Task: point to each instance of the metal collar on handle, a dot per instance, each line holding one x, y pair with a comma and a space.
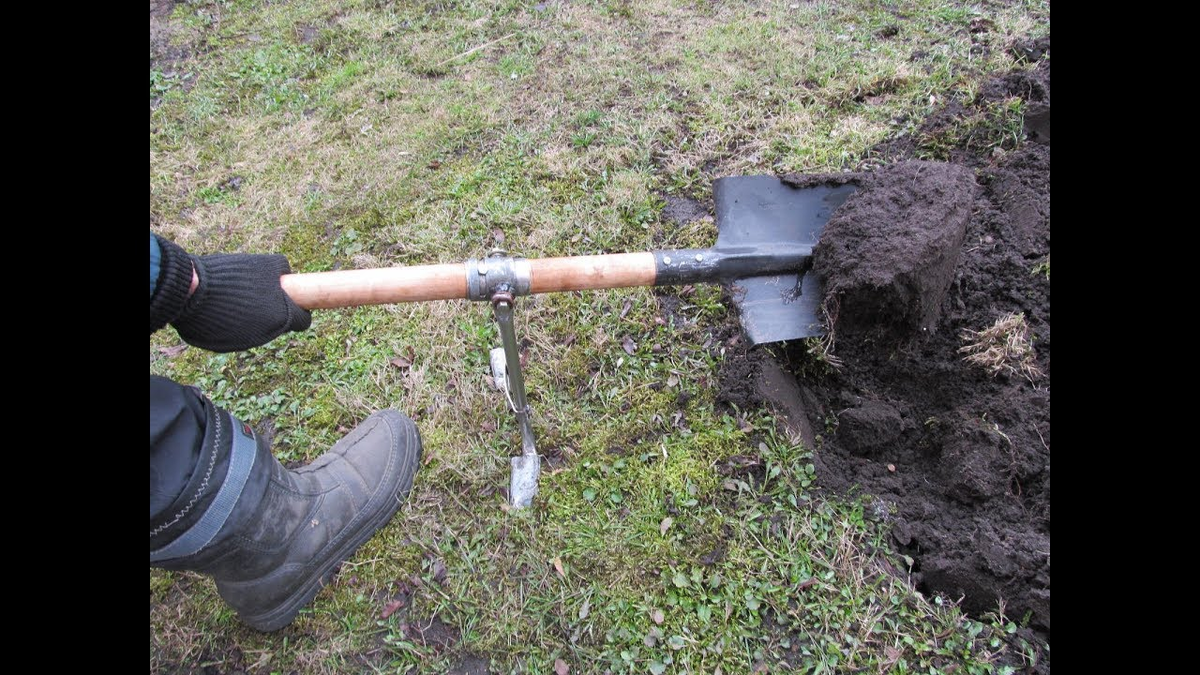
499, 272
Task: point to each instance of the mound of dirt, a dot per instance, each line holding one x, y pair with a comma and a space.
889, 253
924, 257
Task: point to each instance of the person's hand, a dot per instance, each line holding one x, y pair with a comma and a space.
238, 303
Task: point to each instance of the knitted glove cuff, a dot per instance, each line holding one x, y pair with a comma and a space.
174, 280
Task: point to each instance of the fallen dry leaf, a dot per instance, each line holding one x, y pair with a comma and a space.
626, 308
585, 609
390, 608
561, 667
629, 345
665, 525
498, 235
658, 617
672, 380
406, 359
172, 351
435, 164
558, 567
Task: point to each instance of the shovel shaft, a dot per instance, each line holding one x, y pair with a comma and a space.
419, 283
592, 272
721, 264
352, 288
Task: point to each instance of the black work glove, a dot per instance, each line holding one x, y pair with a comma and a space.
239, 303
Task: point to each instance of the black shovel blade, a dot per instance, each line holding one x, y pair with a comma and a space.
762, 212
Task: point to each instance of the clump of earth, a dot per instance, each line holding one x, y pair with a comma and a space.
926, 259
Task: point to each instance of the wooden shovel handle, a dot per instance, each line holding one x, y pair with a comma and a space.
352, 288
591, 272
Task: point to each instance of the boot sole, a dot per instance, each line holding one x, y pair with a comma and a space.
286, 612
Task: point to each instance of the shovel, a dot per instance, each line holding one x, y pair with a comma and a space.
766, 231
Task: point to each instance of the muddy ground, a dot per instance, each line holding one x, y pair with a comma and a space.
955, 458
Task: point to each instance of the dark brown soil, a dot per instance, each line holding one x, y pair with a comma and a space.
682, 210
889, 256
957, 460
470, 665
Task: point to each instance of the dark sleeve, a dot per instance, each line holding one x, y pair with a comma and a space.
169, 283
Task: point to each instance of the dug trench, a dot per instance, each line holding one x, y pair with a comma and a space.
917, 265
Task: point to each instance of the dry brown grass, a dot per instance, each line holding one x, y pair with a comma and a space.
1004, 347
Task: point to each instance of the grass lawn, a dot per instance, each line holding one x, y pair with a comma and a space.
370, 133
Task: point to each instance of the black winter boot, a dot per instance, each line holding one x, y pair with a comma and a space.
273, 549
